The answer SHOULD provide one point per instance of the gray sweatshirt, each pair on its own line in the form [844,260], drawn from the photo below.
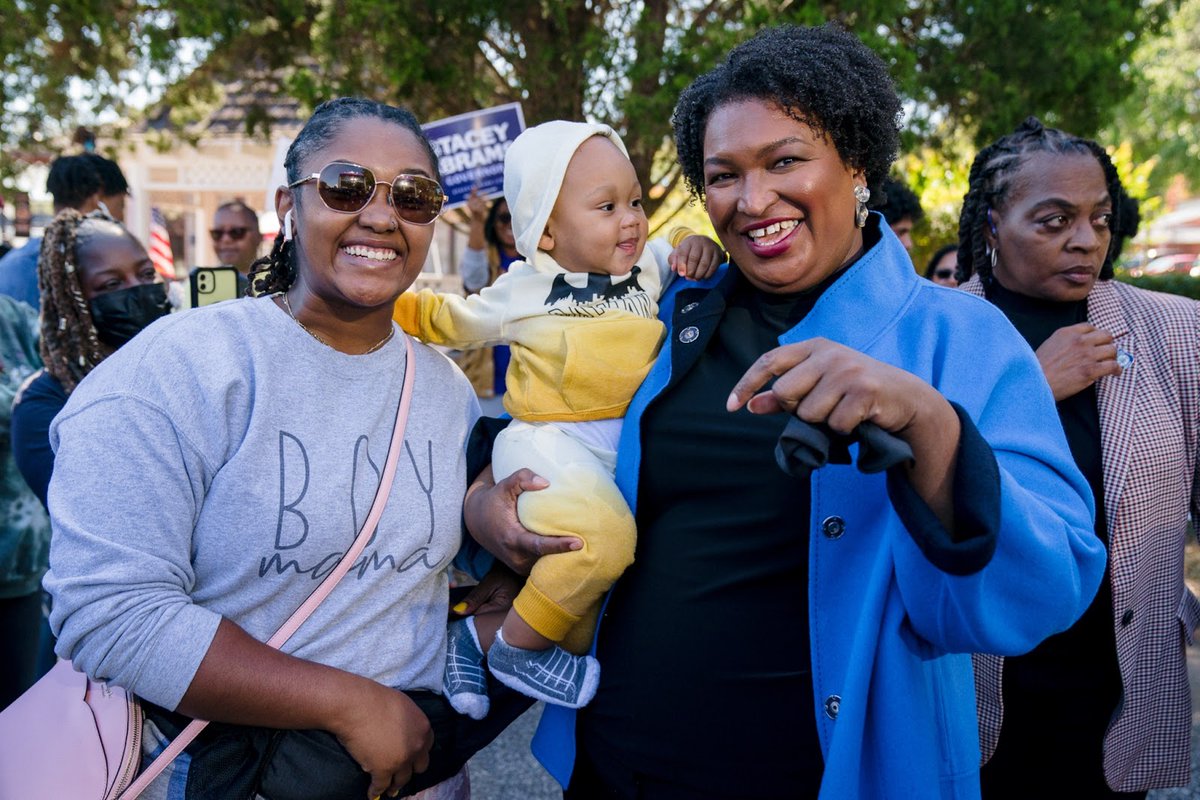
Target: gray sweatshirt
[218,465]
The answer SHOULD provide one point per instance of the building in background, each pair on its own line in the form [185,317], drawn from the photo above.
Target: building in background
[187,171]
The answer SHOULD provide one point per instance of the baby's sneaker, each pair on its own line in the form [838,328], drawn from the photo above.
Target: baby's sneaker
[463,680]
[554,675]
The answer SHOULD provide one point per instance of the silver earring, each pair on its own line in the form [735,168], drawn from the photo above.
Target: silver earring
[861,195]
[992,255]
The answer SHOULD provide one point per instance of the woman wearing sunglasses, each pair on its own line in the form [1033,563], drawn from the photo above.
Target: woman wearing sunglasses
[942,266]
[491,248]
[213,471]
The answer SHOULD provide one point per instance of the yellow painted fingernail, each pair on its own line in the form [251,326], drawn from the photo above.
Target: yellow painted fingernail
[461,608]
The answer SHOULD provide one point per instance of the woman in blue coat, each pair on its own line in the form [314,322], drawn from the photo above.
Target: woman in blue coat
[786,633]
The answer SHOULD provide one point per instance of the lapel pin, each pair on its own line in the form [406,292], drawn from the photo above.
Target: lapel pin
[1124,359]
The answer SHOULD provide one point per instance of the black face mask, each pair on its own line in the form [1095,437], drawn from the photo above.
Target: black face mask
[121,315]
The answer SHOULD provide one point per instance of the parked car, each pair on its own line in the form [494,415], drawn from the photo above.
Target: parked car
[1186,263]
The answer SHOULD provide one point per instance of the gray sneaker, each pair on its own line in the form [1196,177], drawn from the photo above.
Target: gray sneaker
[554,676]
[463,680]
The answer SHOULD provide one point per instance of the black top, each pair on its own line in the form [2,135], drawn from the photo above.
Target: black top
[705,648]
[1078,666]
[33,410]
[706,686]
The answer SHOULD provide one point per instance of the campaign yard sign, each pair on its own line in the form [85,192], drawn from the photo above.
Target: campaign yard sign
[470,150]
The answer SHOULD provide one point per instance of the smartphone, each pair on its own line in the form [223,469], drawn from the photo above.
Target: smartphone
[214,284]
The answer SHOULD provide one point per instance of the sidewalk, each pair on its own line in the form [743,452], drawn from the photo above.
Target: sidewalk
[1192,791]
[505,770]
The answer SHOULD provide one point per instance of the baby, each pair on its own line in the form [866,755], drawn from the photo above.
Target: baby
[580,313]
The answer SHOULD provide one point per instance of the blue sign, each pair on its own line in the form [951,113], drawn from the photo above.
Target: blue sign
[470,149]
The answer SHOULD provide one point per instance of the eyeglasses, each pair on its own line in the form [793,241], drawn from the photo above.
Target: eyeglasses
[235,234]
[348,188]
[944,274]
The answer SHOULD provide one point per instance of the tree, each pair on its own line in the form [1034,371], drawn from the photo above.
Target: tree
[965,66]
[1161,118]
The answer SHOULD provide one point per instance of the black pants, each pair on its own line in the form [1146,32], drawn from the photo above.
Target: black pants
[1048,755]
[20,631]
[232,762]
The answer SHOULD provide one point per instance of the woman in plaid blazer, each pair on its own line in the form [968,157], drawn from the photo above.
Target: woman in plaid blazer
[1102,710]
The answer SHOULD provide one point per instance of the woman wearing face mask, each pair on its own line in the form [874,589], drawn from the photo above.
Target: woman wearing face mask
[99,289]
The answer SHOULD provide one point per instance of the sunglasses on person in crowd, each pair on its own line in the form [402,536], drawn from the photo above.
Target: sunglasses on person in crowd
[235,234]
[504,219]
[348,188]
[944,274]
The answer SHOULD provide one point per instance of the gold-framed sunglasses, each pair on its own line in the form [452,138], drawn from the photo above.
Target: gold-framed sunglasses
[347,188]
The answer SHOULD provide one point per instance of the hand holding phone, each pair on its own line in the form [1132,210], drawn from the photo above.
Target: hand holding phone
[213,284]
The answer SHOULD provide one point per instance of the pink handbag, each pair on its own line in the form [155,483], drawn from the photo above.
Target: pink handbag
[76,737]
[72,737]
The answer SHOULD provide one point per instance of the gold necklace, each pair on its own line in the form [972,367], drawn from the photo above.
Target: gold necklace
[288,306]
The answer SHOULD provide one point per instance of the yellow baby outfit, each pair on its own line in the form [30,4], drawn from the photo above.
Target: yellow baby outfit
[581,345]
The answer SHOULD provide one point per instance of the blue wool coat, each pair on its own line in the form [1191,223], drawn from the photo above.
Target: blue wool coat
[891,629]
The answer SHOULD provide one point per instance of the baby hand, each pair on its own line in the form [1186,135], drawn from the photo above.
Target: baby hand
[696,257]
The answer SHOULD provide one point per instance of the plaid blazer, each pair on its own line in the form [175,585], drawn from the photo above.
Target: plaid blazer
[1149,432]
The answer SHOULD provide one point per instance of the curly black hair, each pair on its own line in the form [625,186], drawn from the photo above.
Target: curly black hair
[896,202]
[72,180]
[823,77]
[276,272]
[991,178]
[111,177]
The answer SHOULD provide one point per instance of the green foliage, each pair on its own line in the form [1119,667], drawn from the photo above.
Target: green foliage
[990,64]
[1171,283]
[971,70]
[1161,117]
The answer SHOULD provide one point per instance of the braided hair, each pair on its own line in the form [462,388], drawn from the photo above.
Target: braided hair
[70,346]
[991,179]
[276,272]
[823,77]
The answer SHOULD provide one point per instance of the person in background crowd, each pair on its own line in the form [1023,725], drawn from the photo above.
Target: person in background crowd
[235,235]
[1103,709]
[98,290]
[24,526]
[901,208]
[943,267]
[114,189]
[491,248]
[814,636]
[73,182]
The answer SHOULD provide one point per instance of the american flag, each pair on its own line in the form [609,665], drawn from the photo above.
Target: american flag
[160,246]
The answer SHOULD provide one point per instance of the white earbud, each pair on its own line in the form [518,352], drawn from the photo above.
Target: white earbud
[287,226]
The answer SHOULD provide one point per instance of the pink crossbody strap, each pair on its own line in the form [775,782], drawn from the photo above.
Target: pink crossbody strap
[297,619]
